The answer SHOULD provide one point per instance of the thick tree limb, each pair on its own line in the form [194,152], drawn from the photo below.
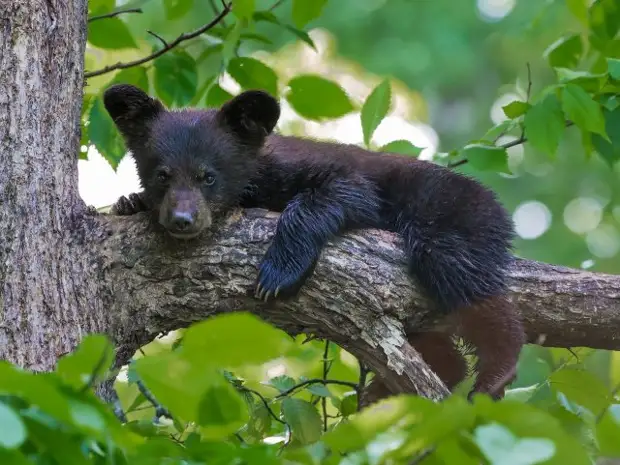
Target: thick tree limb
[360,296]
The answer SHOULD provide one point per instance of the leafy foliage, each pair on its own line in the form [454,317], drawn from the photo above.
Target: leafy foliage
[217,416]
[223,385]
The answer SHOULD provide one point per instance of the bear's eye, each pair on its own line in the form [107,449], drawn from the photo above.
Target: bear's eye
[163,175]
[206,178]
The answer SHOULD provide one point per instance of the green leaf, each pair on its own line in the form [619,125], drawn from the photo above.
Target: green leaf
[318,99]
[486,158]
[404,147]
[110,34]
[87,417]
[282,383]
[221,412]
[500,446]
[101,6]
[565,52]
[515,109]
[579,8]
[305,11]
[609,150]
[302,35]
[348,406]
[604,20]
[253,74]
[375,108]
[176,9]
[232,40]
[581,387]
[544,125]
[505,127]
[234,339]
[303,419]
[590,82]
[216,96]
[608,432]
[613,65]
[103,134]
[203,396]
[136,76]
[244,8]
[12,428]
[260,421]
[583,110]
[361,428]
[176,78]
[318,389]
[88,362]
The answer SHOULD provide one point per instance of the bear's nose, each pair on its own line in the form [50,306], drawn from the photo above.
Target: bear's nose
[182,220]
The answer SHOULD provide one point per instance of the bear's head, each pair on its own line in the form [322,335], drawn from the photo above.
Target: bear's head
[193,164]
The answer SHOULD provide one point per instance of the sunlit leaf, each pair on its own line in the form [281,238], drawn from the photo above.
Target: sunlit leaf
[565,52]
[579,8]
[176,78]
[88,363]
[375,108]
[582,109]
[12,429]
[234,339]
[303,419]
[176,9]
[110,33]
[305,11]
[253,74]
[244,8]
[404,147]
[316,98]
[544,125]
[515,109]
[103,134]
[500,446]
[486,158]
[613,65]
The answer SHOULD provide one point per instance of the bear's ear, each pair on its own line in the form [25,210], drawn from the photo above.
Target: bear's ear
[131,109]
[251,116]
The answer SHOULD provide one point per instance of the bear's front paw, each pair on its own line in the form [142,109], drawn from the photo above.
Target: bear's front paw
[281,276]
[126,206]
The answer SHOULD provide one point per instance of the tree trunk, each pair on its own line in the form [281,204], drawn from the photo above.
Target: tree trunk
[65,272]
[49,297]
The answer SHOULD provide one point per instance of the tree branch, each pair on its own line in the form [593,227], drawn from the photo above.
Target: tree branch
[513,143]
[360,296]
[169,45]
[114,13]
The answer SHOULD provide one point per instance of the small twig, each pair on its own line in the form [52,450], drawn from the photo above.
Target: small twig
[361,384]
[326,367]
[115,13]
[276,5]
[117,408]
[182,38]
[160,410]
[316,381]
[265,403]
[158,37]
[507,145]
[528,93]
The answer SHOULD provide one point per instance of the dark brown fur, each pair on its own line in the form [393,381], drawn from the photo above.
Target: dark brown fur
[196,165]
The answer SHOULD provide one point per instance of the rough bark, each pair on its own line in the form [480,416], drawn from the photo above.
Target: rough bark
[47,273]
[360,295]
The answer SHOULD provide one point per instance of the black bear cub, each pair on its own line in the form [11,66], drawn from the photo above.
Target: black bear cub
[196,165]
